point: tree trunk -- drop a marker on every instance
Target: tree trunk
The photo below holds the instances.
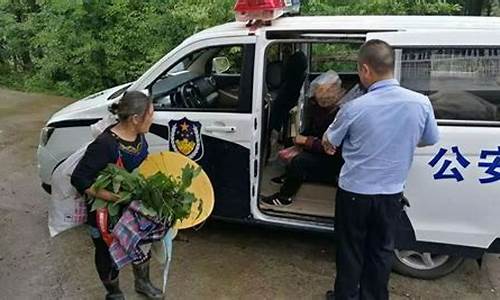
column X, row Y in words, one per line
column 489, row 7
column 474, row 7
column 27, row 62
column 33, row 6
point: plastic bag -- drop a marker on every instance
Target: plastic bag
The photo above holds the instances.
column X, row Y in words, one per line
column 67, row 208
column 99, row 127
column 162, row 251
column 355, row 92
column 327, row 86
column 289, row 153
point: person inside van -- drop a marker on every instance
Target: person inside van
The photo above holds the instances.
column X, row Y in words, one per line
column 123, row 144
column 310, row 162
column 294, row 74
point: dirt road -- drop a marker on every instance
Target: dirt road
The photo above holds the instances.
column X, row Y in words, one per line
column 220, row 261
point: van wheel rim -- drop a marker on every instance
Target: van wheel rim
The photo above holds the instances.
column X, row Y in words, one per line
column 421, row 260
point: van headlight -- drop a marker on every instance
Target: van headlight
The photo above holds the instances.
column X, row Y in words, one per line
column 45, row 135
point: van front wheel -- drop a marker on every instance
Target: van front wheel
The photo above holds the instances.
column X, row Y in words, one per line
column 424, row 265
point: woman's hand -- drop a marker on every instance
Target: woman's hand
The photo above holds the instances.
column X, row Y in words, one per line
column 300, row 140
column 103, row 194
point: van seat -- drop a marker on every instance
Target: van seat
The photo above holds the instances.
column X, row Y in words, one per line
column 274, row 78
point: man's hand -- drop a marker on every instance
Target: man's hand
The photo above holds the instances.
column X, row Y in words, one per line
column 300, row 140
column 329, row 148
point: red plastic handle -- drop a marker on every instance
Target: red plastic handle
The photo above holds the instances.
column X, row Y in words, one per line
column 102, row 220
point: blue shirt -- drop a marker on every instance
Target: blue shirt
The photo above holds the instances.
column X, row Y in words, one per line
column 379, row 132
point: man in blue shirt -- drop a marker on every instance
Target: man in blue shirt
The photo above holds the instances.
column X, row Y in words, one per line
column 378, row 133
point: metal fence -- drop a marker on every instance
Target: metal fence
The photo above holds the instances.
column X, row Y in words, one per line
column 474, row 64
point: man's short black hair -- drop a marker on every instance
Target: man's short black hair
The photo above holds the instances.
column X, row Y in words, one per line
column 378, row 55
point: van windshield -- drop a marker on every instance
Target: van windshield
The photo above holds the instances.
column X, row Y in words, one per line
column 119, row 92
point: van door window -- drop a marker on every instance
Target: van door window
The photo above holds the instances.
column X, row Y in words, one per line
column 212, row 79
column 462, row 83
column 341, row 57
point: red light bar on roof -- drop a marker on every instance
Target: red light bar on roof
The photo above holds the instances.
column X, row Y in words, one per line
column 265, row 10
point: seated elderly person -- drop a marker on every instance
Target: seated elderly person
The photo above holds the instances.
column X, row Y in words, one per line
column 312, row 164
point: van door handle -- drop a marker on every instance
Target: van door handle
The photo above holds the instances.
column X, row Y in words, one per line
column 224, row 129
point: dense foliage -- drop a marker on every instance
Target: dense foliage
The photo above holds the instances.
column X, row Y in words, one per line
column 162, row 196
column 81, row 46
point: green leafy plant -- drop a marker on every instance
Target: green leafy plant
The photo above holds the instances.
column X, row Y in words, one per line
column 162, row 196
column 128, row 186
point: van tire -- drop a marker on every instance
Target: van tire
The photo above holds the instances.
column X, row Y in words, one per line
column 408, row 265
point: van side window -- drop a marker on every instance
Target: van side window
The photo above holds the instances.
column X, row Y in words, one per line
column 462, row 83
column 215, row 79
column 341, row 57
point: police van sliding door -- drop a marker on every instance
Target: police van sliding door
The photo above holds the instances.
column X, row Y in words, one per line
column 203, row 110
column 453, row 186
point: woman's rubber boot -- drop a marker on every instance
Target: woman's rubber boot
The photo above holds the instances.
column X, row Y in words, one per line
column 113, row 288
column 143, row 284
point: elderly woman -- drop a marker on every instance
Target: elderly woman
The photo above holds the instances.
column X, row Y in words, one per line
column 122, row 144
column 312, row 164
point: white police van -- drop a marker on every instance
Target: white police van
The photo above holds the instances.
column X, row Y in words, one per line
column 212, row 97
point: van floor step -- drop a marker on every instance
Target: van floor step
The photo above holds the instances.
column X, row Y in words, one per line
column 312, row 199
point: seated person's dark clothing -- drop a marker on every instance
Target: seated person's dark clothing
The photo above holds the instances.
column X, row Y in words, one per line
column 310, row 167
column 320, row 120
column 312, row 164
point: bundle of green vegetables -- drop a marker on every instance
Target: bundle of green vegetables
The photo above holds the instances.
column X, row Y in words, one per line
column 162, row 196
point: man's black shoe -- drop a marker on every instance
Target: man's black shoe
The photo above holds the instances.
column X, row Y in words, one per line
column 277, row 200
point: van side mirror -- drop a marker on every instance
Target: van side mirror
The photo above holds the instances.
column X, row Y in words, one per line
column 220, row 65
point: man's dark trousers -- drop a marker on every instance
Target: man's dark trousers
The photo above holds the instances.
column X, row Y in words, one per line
column 365, row 228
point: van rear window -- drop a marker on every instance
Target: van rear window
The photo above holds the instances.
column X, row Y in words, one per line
column 462, row 83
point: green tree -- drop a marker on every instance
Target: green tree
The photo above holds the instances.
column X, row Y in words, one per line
column 17, row 33
column 90, row 45
column 81, row 46
column 477, row 7
column 381, row 7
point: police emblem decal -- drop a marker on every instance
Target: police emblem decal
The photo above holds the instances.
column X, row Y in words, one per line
column 185, row 138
